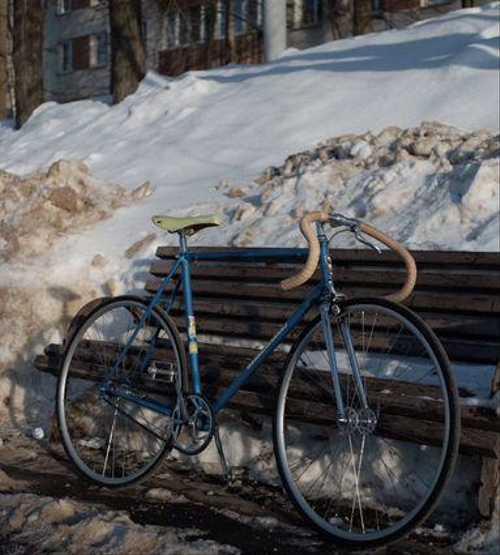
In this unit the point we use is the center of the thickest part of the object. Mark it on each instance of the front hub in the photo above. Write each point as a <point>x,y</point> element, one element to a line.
<point>361,421</point>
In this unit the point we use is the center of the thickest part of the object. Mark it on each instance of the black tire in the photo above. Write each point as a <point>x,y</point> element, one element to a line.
<point>351,525</point>
<point>153,368</point>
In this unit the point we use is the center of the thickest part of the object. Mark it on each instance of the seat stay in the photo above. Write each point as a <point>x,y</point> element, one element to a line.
<point>155,301</point>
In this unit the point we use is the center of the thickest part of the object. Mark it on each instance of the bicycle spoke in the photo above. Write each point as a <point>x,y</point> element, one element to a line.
<point>120,446</point>
<point>366,484</point>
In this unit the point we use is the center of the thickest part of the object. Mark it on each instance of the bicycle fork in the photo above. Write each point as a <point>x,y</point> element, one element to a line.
<point>325,311</point>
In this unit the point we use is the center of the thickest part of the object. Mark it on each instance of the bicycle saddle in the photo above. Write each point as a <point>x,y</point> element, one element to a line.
<point>189,225</point>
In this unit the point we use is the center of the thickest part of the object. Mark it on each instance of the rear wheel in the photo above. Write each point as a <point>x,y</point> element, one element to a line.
<point>120,380</point>
<point>368,480</point>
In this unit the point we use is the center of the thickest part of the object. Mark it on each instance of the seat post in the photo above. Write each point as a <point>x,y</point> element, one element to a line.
<point>189,313</point>
<point>183,242</point>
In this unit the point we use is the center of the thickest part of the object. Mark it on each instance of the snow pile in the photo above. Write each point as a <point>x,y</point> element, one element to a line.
<point>412,183</point>
<point>38,209</point>
<point>77,528</point>
<point>36,213</point>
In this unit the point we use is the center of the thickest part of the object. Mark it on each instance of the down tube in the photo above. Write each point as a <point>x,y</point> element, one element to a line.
<point>290,325</point>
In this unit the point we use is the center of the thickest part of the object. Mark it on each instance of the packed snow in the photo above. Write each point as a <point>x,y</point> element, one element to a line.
<point>398,128</point>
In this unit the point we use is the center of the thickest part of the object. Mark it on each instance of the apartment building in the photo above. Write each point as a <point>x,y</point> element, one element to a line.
<point>77,50</point>
<point>182,35</point>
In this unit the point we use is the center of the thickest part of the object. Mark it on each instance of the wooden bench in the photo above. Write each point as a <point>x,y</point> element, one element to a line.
<point>238,306</point>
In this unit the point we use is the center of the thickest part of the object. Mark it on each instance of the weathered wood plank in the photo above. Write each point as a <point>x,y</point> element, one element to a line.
<point>362,256</point>
<point>424,432</point>
<point>395,397</point>
<point>419,300</point>
<point>375,275</point>
<point>459,349</point>
<point>455,325</point>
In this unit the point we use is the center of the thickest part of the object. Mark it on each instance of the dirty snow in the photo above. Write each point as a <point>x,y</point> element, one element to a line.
<point>80,528</point>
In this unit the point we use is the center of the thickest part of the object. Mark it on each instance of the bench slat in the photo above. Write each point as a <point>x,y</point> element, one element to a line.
<point>467,280</point>
<point>437,259</point>
<point>456,325</point>
<point>222,369</point>
<point>458,349</point>
<point>424,432</point>
<point>409,405</point>
<point>420,300</point>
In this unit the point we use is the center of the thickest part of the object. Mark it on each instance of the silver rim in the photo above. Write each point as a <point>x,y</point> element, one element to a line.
<point>354,482</point>
<point>112,440</point>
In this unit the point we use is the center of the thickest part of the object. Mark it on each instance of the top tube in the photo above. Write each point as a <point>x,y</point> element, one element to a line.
<point>258,254</point>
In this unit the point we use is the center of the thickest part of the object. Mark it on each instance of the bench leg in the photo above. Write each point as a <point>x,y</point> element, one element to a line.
<point>489,491</point>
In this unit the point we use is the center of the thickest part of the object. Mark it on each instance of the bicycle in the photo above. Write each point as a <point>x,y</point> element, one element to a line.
<point>348,471</point>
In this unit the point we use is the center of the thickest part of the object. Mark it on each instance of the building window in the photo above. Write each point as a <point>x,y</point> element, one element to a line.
<point>254,14</point>
<point>377,7</point>
<point>63,6</point>
<point>184,27</point>
<point>240,16</point>
<point>182,38</point>
<point>304,13</point>
<point>98,51</point>
<point>247,15</point>
<point>170,30</point>
<point>65,57</point>
<point>81,53</point>
<point>195,17</point>
<point>221,24</point>
<point>430,3</point>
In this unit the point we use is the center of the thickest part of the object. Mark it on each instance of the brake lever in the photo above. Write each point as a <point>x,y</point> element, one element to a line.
<point>361,239</point>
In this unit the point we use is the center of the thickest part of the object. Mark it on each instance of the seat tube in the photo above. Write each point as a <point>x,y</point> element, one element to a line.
<point>190,319</point>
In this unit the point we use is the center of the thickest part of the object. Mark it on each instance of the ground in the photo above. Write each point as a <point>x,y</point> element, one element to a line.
<point>246,518</point>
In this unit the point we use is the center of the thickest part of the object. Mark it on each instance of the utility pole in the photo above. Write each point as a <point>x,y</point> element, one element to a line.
<point>274,29</point>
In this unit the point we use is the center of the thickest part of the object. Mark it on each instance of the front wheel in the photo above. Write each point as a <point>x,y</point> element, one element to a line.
<point>370,477</point>
<point>122,374</point>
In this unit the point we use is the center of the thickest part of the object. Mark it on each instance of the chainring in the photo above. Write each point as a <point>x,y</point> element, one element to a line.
<point>194,424</point>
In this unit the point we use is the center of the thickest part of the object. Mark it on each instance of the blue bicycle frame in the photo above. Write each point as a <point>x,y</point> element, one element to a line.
<point>320,296</point>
